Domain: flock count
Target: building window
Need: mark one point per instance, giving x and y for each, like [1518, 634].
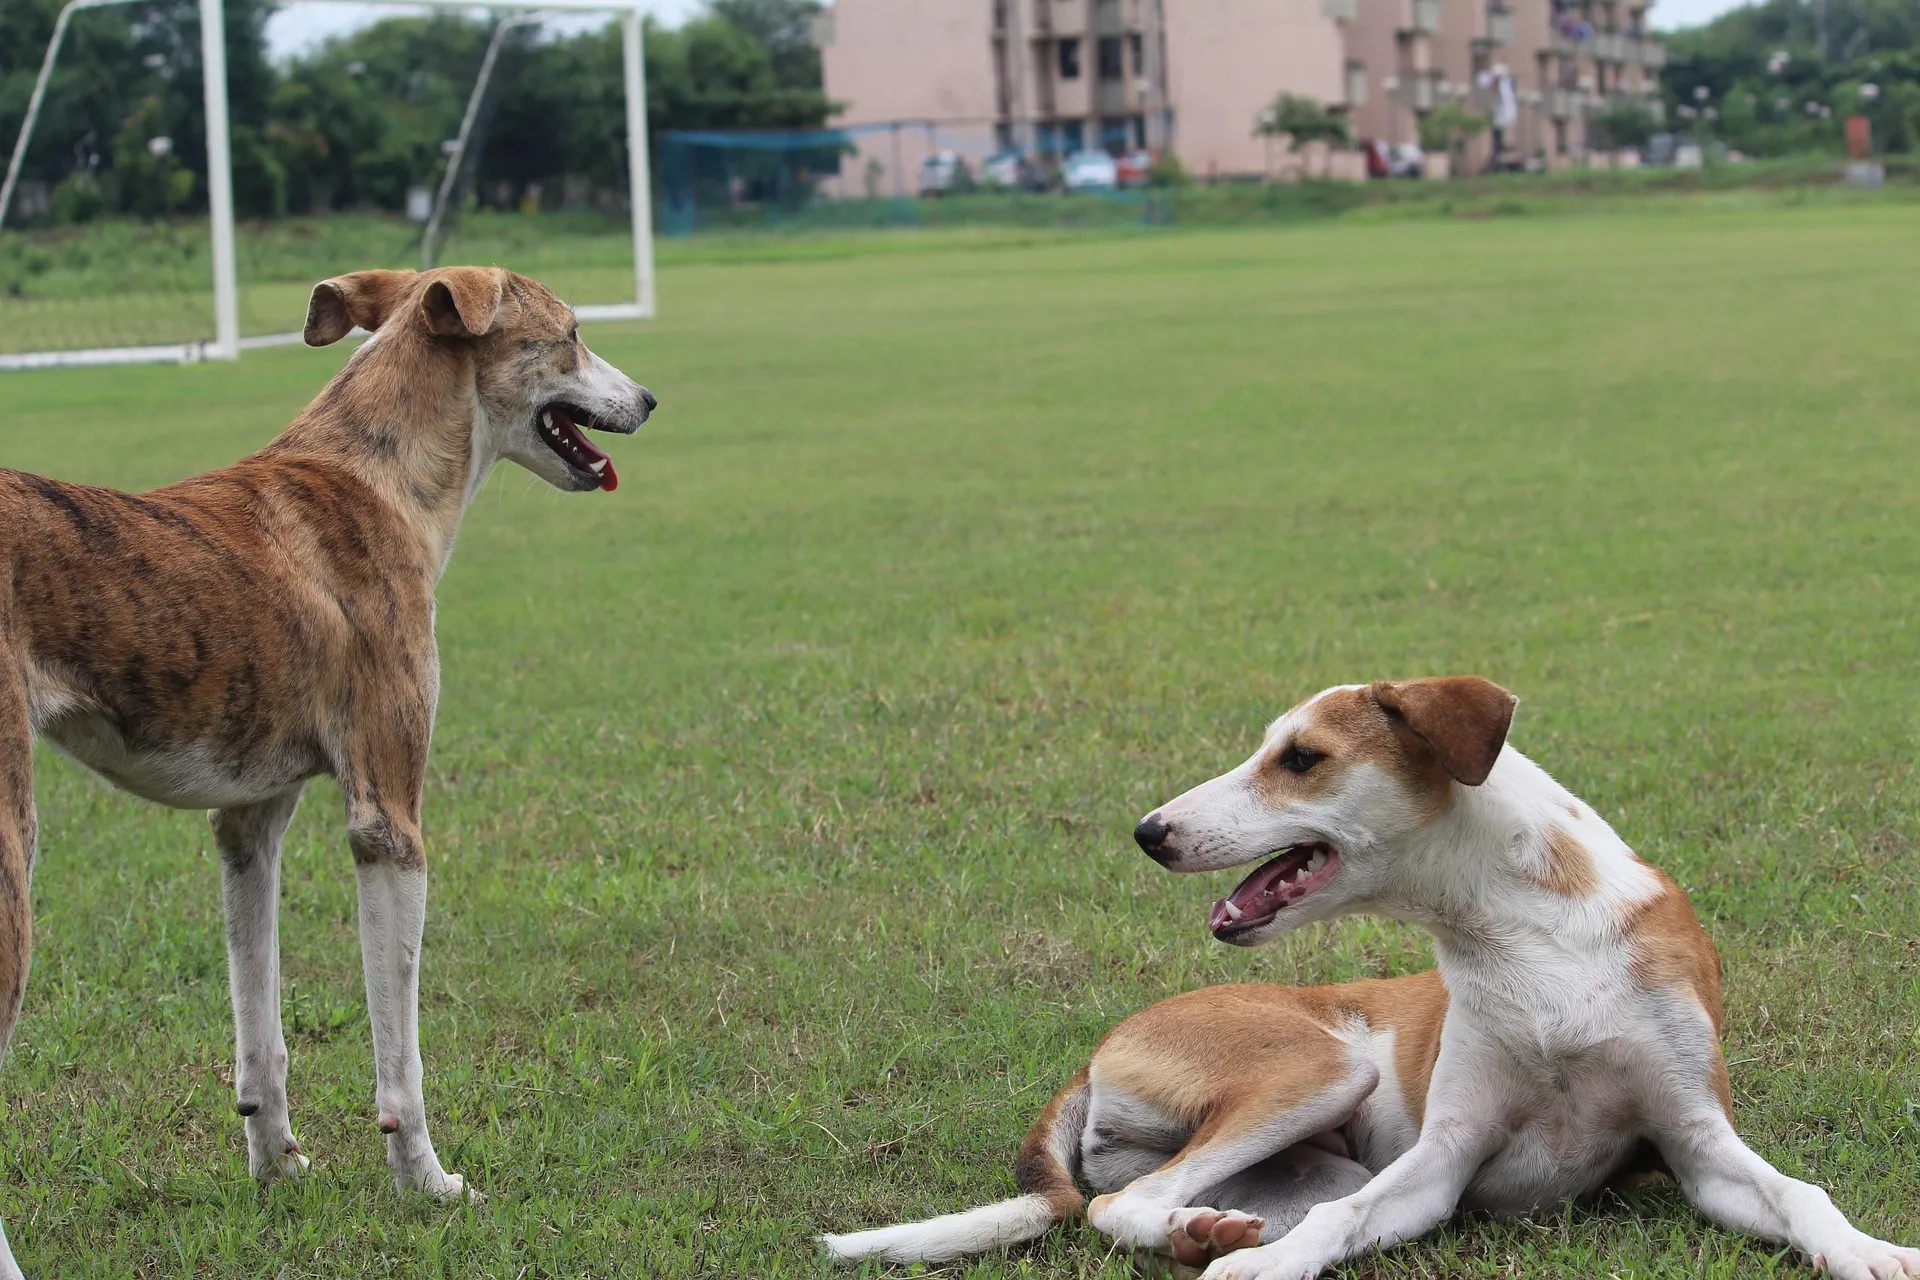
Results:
[1138, 127]
[1137, 52]
[1356, 84]
[1111, 66]
[1070, 58]
[1073, 136]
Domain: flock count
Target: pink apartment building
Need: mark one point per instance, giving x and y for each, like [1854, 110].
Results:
[1190, 76]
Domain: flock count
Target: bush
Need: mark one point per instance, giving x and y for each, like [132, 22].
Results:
[81, 198]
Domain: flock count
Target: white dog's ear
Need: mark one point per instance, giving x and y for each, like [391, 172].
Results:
[364, 298]
[1464, 719]
[463, 302]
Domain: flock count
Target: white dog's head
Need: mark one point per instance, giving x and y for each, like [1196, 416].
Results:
[1335, 792]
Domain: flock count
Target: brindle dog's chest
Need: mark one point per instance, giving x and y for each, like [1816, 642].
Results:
[185, 777]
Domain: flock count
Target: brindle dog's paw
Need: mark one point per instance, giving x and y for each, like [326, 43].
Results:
[271, 1166]
[1198, 1236]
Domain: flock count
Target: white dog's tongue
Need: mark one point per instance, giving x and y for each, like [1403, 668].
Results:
[1272, 886]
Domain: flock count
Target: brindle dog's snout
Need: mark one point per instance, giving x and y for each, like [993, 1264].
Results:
[1151, 835]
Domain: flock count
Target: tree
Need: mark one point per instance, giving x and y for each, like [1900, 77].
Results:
[1302, 121]
[1448, 127]
[1623, 124]
[784, 28]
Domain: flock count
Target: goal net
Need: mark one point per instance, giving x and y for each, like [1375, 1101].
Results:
[166, 202]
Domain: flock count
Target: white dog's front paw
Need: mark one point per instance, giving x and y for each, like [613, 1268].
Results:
[1271, 1262]
[1864, 1258]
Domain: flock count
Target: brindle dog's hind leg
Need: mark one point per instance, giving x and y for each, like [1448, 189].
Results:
[16, 866]
[249, 840]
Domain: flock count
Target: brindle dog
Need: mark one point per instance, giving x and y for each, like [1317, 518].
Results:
[215, 643]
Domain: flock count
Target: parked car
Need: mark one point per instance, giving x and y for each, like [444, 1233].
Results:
[944, 173]
[1134, 168]
[1012, 171]
[1089, 171]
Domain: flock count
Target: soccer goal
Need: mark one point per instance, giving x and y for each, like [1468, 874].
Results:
[180, 289]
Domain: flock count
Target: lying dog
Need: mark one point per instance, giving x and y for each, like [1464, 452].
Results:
[1569, 1036]
[215, 643]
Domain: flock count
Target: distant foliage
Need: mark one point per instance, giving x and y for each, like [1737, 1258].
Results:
[362, 119]
[1448, 127]
[1773, 86]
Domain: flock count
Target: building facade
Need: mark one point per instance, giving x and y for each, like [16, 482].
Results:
[1050, 77]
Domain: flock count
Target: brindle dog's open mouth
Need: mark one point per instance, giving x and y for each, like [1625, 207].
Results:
[1298, 871]
[564, 426]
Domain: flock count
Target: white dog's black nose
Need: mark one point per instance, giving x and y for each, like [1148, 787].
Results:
[647, 399]
[1151, 835]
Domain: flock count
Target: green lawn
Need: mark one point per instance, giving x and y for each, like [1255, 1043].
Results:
[779, 814]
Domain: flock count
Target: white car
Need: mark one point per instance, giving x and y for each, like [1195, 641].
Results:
[1090, 171]
[942, 173]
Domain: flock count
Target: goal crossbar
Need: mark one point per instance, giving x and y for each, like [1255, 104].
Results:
[227, 344]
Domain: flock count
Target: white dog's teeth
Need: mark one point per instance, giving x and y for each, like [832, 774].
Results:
[1317, 861]
[597, 467]
[547, 417]
[1233, 912]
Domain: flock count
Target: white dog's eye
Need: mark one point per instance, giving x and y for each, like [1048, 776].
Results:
[1298, 759]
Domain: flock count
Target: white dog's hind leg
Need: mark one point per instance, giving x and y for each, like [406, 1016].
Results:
[1729, 1183]
[1142, 1215]
[249, 841]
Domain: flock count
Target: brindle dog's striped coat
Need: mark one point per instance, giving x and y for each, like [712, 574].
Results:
[215, 643]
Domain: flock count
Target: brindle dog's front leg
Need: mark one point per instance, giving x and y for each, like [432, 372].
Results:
[249, 840]
[383, 828]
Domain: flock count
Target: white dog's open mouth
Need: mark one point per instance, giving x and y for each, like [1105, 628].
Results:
[561, 426]
[1299, 871]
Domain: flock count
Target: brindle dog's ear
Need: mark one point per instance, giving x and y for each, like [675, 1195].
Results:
[463, 302]
[1463, 719]
[364, 298]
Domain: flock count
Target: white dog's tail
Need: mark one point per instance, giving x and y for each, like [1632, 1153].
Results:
[1044, 1172]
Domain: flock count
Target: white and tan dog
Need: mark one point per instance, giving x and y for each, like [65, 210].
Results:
[1570, 1035]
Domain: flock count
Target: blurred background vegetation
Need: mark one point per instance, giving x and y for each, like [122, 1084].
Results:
[356, 122]
[361, 119]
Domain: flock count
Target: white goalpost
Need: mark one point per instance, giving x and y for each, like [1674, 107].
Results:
[226, 341]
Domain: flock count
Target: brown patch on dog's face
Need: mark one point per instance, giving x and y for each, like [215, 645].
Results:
[1569, 869]
[1335, 733]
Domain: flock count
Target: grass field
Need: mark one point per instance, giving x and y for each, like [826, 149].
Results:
[779, 811]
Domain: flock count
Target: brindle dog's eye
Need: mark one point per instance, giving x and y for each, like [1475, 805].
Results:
[1297, 759]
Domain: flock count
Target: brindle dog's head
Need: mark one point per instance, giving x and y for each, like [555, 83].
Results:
[538, 389]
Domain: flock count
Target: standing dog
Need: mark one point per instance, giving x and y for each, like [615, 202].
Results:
[1570, 1035]
[215, 643]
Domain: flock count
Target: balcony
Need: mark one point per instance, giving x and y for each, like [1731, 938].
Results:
[1563, 104]
[1112, 98]
[1566, 46]
[1499, 24]
[1340, 10]
[1652, 54]
[1425, 16]
[1418, 90]
[1608, 46]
